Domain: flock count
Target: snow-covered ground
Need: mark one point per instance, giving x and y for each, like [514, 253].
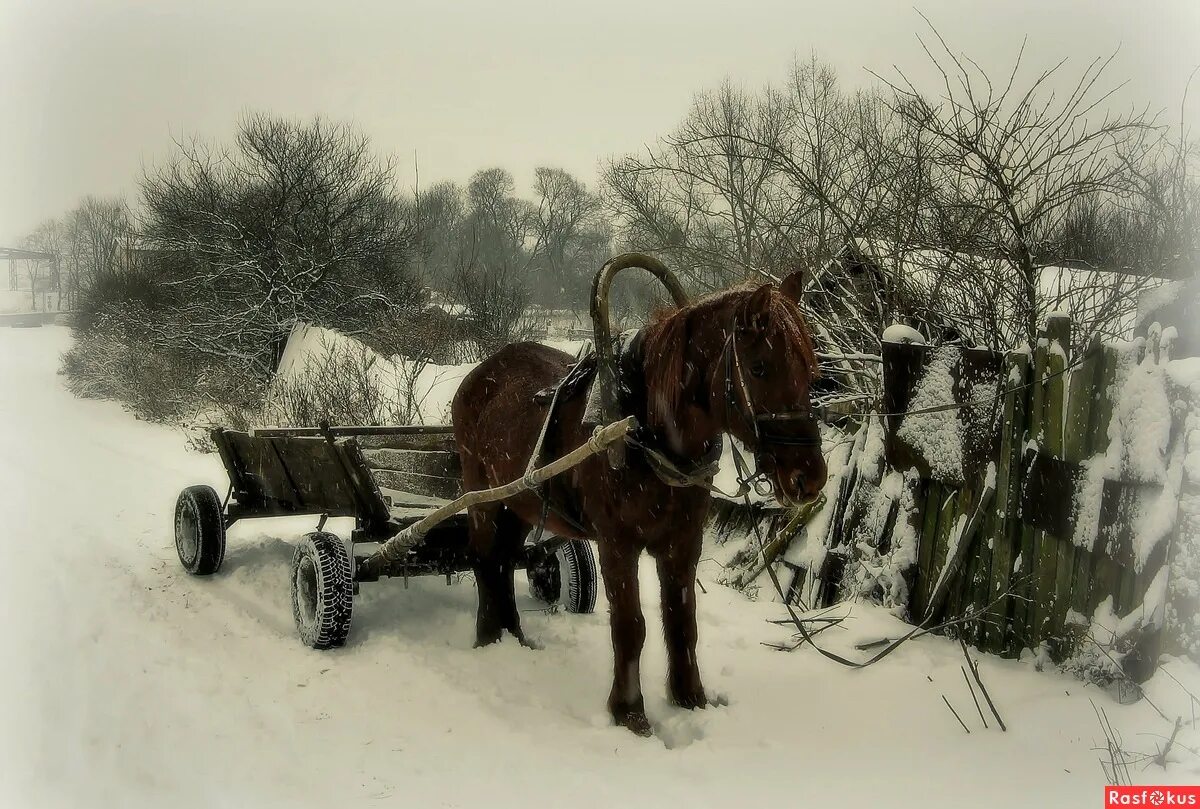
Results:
[126, 683]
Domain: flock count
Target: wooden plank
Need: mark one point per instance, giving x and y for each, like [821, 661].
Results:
[425, 462]
[1105, 575]
[967, 514]
[925, 547]
[1045, 546]
[979, 594]
[1025, 615]
[374, 511]
[1082, 441]
[958, 566]
[1058, 330]
[974, 559]
[416, 483]
[1004, 520]
[430, 442]
[264, 472]
[316, 472]
[947, 517]
[351, 431]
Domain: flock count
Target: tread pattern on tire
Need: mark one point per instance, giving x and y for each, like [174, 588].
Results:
[580, 564]
[204, 504]
[334, 591]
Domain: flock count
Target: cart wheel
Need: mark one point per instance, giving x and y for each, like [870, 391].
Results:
[199, 530]
[322, 591]
[572, 562]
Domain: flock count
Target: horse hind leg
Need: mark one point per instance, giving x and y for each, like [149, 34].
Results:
[496, 537]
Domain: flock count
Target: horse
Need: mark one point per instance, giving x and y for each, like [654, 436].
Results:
[738, 362]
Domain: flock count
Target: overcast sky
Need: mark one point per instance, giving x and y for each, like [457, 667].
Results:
[92, 91]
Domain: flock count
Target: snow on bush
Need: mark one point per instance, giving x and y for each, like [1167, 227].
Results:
[324, 375]
[937, 436]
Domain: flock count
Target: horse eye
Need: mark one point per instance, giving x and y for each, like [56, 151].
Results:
[758, 370]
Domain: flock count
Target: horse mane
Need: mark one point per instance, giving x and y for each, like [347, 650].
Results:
[667, 338]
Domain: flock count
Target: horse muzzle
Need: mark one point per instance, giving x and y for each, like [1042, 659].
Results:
[797, 486]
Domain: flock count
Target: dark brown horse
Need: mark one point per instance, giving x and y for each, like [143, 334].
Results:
[717, 366]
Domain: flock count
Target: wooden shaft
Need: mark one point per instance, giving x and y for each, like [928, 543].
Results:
[407, 429]
[401, 543]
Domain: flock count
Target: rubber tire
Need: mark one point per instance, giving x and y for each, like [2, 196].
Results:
[200, 530]
[573, 562]
[322, 591]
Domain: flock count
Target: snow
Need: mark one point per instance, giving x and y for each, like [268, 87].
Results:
[434, 385]
[938, 435]
[129, 684]
[900, 333]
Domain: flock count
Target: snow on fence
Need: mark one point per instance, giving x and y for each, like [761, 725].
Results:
[1048, 492]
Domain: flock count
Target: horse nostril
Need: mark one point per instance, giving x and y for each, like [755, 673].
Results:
[807, 486]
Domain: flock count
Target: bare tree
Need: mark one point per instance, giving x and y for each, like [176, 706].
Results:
[1013, 163]
[495, 304]
[570, 237]
[95, 241]
[439, 214]
[45, 238]
[300, 222]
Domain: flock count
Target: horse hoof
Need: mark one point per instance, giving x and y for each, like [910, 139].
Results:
[636, 723]
[486, 640]
[692, 701]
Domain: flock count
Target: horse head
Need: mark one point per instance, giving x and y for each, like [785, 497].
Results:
[742, 362]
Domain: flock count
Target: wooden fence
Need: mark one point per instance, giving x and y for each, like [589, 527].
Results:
[1031, 521]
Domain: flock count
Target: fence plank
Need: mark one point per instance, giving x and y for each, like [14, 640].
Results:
[947, 500]
[959, 564]
[1058, 330]
[1080, 442]
[925, 572]
[1025, 619]
[979, 587]
[1105, 571]
[1004, 515]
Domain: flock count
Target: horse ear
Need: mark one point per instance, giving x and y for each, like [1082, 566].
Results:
[758, 309]
[793, 285]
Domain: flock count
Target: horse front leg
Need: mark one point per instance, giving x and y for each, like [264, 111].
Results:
[677, 583]
[619, 566]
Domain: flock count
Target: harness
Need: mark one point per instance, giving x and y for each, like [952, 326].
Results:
[791, 428]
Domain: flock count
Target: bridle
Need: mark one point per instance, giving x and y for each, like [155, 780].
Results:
[763, 426]
[778, 429]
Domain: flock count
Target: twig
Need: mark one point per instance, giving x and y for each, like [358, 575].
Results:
[979, 681]
[1118, 768]
[974, 698]
[956, 716]
[1161, 758]
[781, 647]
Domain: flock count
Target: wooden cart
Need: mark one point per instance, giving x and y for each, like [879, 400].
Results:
[388, 479]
